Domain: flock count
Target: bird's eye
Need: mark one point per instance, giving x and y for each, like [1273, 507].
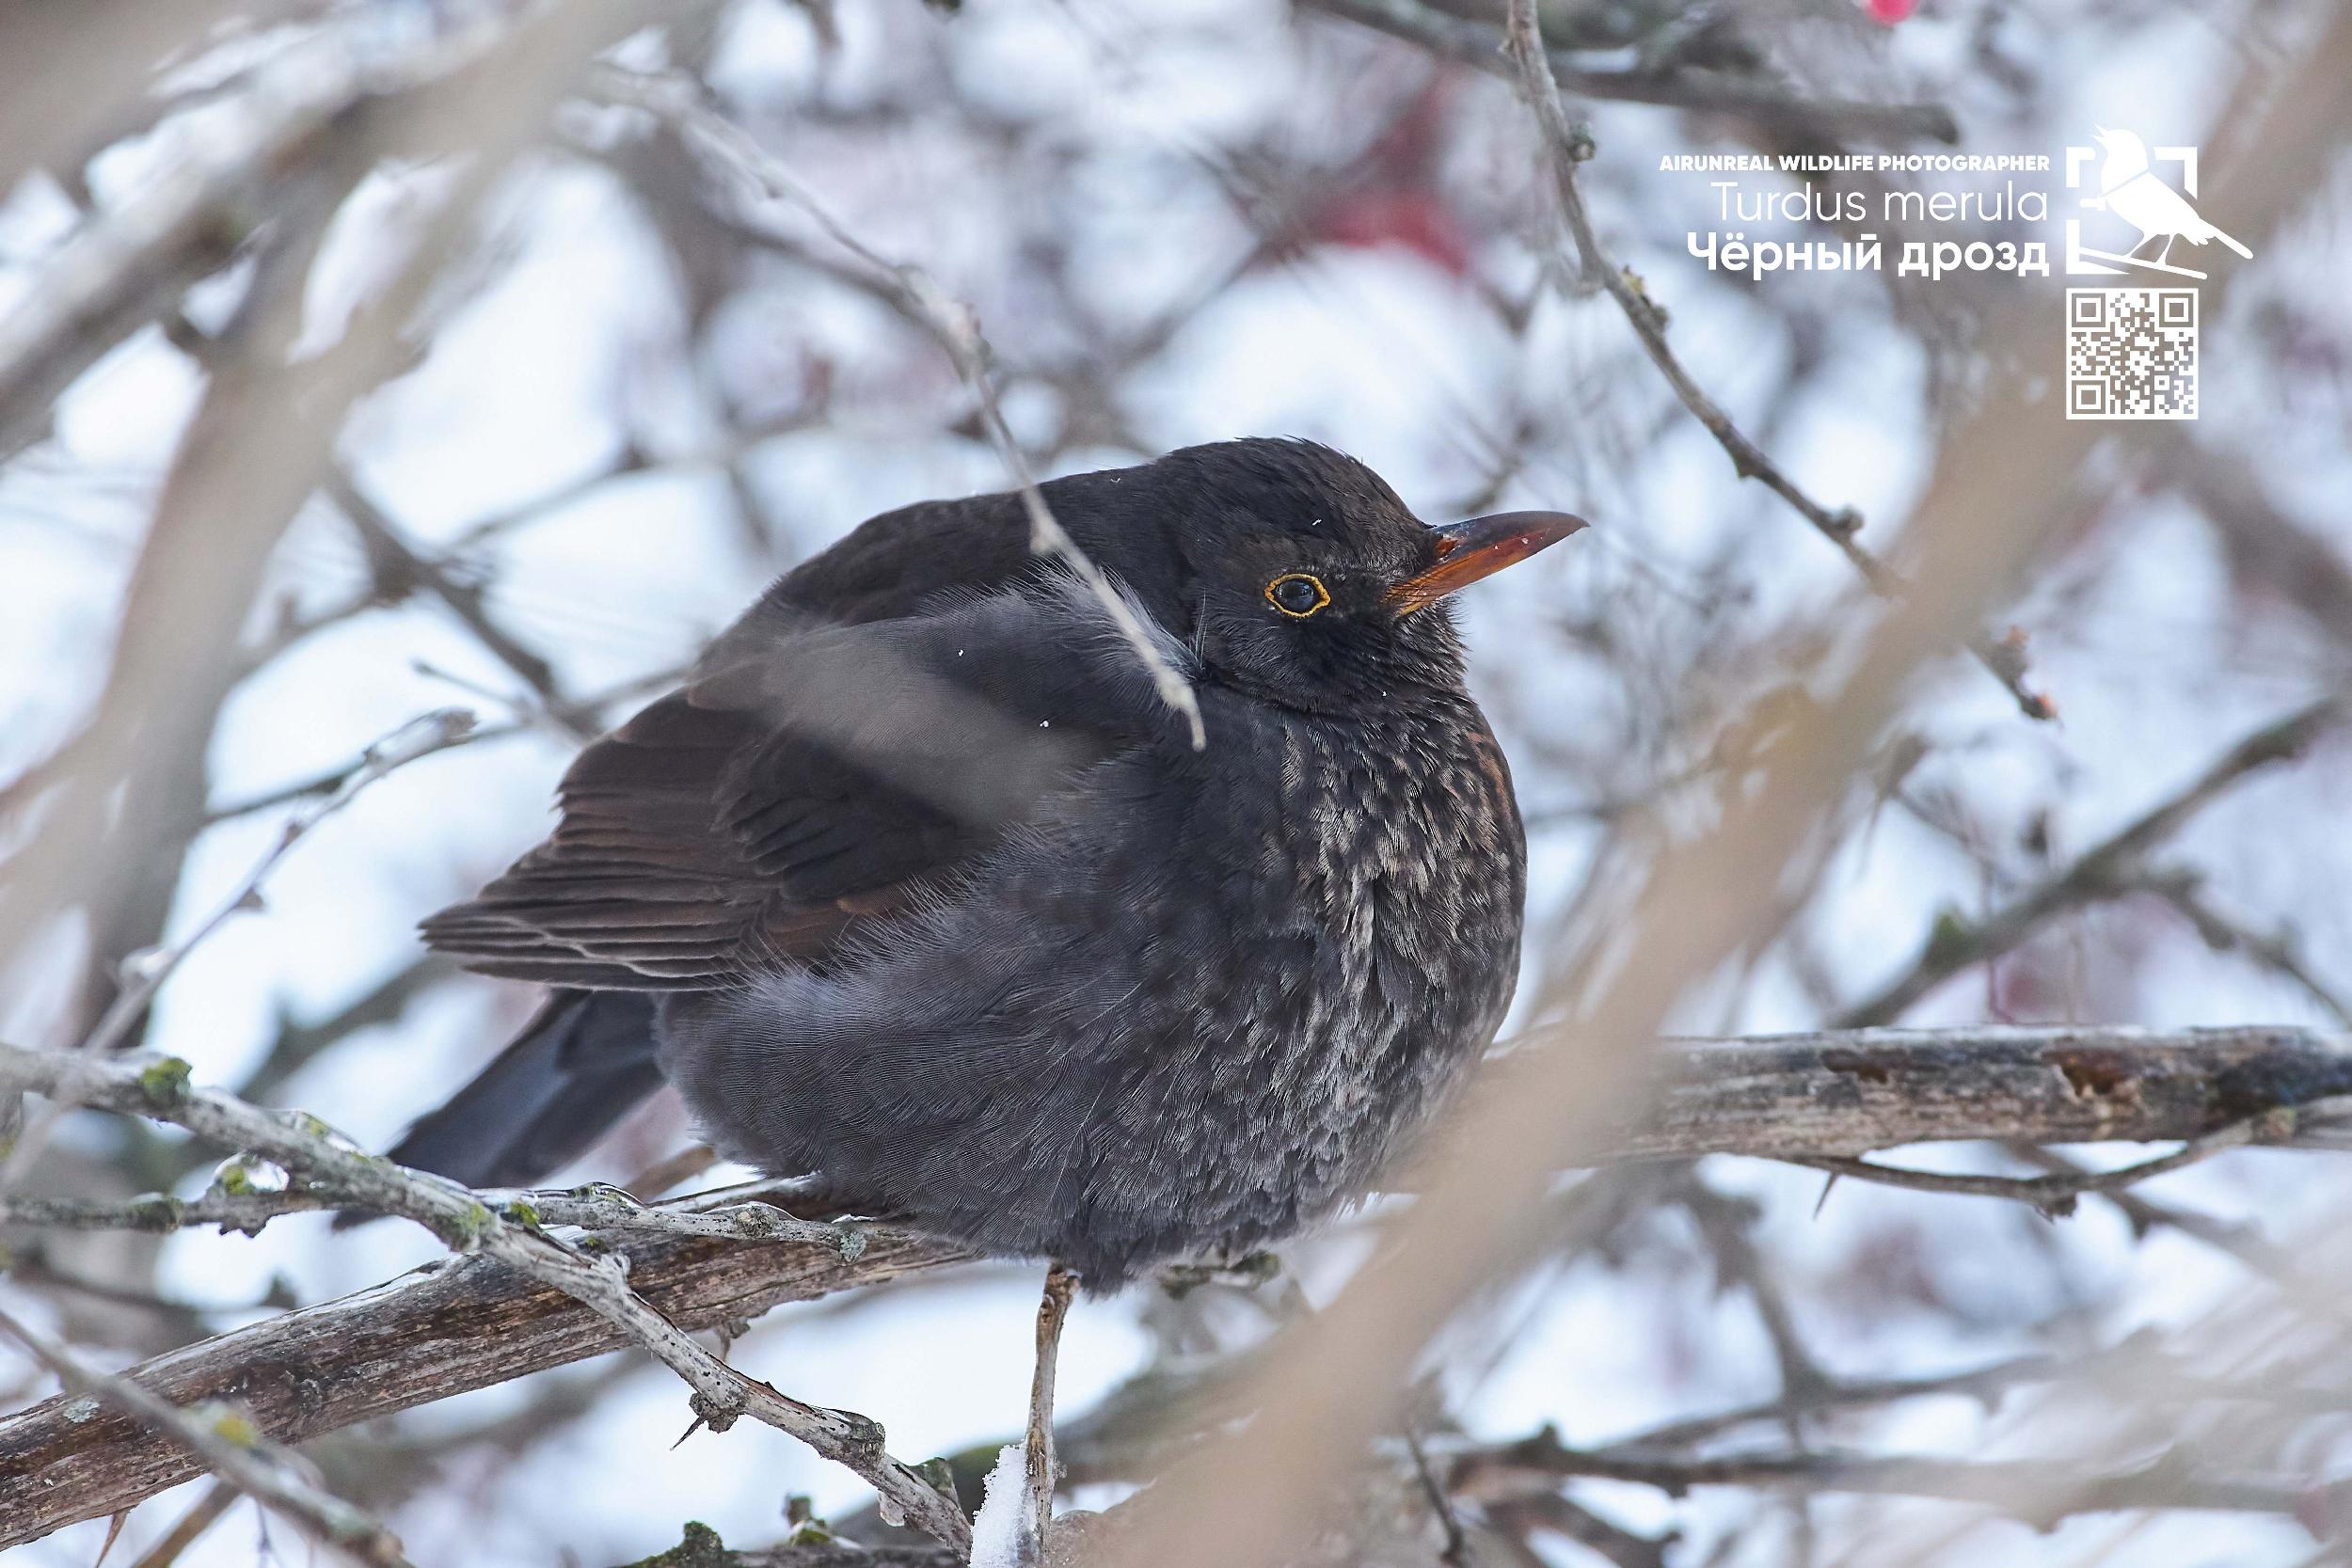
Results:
[1297, 594]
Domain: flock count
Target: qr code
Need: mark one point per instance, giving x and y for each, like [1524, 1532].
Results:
[2130, 354]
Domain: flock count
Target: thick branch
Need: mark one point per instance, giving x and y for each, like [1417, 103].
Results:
[471, 1322]
[159, 1088]
[453, 1325]
[123, 267]
[2041, 1490]
[702, 1549]
[1793, 1096]
[222, 1441]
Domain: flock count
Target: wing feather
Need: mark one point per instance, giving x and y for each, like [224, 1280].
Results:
[805, 782]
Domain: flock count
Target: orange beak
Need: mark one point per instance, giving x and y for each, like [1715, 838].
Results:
[1481, 547]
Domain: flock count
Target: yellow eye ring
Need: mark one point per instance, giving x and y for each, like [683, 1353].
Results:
[1283, 594]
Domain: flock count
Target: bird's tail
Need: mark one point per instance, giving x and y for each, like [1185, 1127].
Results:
[2230, 243]
[584, 1061]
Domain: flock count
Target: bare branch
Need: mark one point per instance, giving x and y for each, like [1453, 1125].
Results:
[2261, 539]
[395, 559]
[1987, 1384]
[61, 64]
[2042, 1490]
[253, 451]
[571, 717]
[224, 1442]
[1475, 43]
[472, 1321]
[959, 332]
[2055, 1195]
[455, 1326]
[1041, 1473]
[310, 1151]
[190, 1525]
[419, 738]
[683, 104]
[597, 1209]
[703, 1548]
[1843, 1092]
[1567, 147]
[2279, 952]
[127, 265]
[144, 973]
[2102, 872]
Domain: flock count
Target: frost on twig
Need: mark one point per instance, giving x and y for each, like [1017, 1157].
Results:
[312, 1152]
[225, 1441]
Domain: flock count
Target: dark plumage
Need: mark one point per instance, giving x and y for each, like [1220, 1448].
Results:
[917, 883]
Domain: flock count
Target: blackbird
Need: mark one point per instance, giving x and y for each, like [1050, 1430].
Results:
[919, 885]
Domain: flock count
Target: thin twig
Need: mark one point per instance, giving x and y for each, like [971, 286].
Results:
[1727, 1223]
[959, 332]
[1041, 1474]
[297, 1044]
[2243, 1240]
[394, 561]
[2102, 872]
[191, 1526]
[683, 104]
[1477, 43]
[571, 717]
[1985, 1384]
[311, 1152]
[2279, 952]
[2056, 1194]
[147, 971]
[1455, 1552]
[1567, 148]
[144, 973]
[238, 1206]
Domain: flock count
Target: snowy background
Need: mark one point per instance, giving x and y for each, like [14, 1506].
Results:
[1180, 222]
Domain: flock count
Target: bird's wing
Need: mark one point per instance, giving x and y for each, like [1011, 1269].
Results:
[808, 779]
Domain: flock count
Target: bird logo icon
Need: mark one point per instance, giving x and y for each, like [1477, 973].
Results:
[2128, 186]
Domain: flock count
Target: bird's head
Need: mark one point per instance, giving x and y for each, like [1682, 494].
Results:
[1300, 578]
[2123, 144]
